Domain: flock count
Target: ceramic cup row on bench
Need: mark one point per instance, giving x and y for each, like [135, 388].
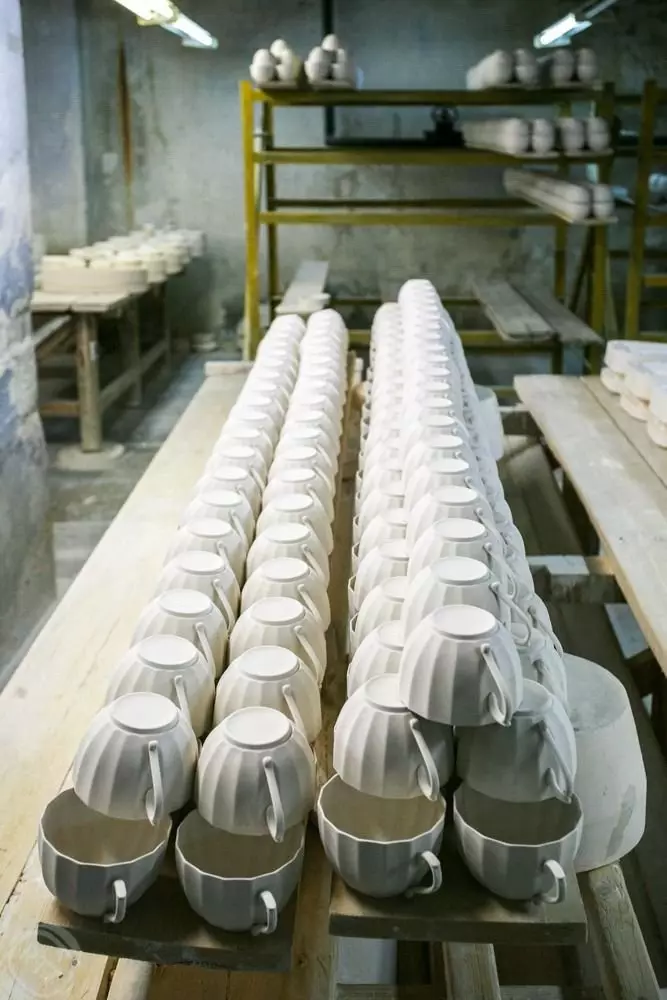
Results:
[637, 372]
[239, 854]
[433, 646]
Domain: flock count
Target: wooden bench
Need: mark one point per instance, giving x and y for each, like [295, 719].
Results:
[305, 294]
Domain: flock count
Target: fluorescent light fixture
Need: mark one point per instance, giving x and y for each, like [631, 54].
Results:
[151, 11]
[560, 32]
[194, 36]
[167, 15]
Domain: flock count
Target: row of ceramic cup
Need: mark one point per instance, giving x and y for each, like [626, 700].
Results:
[138, 761]
[435, 647]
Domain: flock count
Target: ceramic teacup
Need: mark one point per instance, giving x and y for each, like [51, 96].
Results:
[247, 437]
[454, 580]
[461, 667]
[440, 472]
[389, 525]
[459, 536]
[378, 846]
[232, 477]
[94, 865]
[170, 666]
[448, 501]
[286, 577]
[519, 850]
[241, 456]
[211, 535]
[303, 457]
[270, 386]
[382, 749]
[379, 654]
[301, 480]
[301, 436]
[251, 396]
[275, 678]
[316, 418]
[377, 476]
[190, 614]
[532, 759]
[256, 774]
[281, 621]
[207, 572]
[382, 563]
[137, 759]
[541, 662]
[289, 540]
[225, 505]
[379, 500]
[441, 446]
[253, 416]
[298, 508]
[303, 398]
[237, 883]
[383, 604]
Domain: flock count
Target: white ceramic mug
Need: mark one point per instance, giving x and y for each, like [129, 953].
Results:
[246, 437]
[386, 561]
[461, 667]
[275, 678]
[519, 850]
[436, 474]
[377, 476]
[232, 477]
[285, 577]
[190, 614]
[532, 759]
[281, 621]
[252, 416]
[306, 481]
[542, 663]
[388, 498]
[454, 580]
[382, 749]
[316, 418]
[291, 540]
[207, 572]
[378, 846]
[387, 526]
[458, 536]
[303, 398]
[170, 666]
[448, 501]
[298, 508]
[383, 604]
[256, 774]
[250, 396]
[225, 505]
[379, 654]
[237, 883]
[137, 759]
[304, 457]
[211, 535]
[94, 865]
[301, 436]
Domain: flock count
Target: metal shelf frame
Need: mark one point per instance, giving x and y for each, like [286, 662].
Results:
[264, 209]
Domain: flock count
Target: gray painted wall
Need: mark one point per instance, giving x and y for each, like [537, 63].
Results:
[25, 567]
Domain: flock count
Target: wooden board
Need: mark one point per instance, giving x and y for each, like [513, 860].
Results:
[624, 499]
[570, 329]
[88, 302]
[462, 911]
[308, 283]
[512, 316]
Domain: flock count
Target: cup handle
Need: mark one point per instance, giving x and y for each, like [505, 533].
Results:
[312, 561]
[355, 557]
[290, 700]
[155, 805]
[310, 652]
[479, 514]
[120, 903]
[271, 914]
[255, 476]
[352, 639]
[501, 569]
[436, 876]
[351, 586]
[498, 702]
[512, 608]
[239, 529]
[205, 645]
[557, 895]
[275, 815]
[566, 792]
[226, 604]
[307, 600]
[427, 777]
[545, 630]
[505, 605]
[181, 697]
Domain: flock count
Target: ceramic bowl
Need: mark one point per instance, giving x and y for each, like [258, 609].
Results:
[137, 759]
[281, 621]
[223, 505]
[207, 572]
[294, 578]
[94, 865]
[191, 615]
[256, 774]
[211, 535]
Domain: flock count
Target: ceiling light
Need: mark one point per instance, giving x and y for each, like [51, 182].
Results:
[194, 36]
[151, 11]
[167, 15]
[561, 31]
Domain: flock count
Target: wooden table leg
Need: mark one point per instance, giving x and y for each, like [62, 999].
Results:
[88, 380]
[130, 347]
[470, 972]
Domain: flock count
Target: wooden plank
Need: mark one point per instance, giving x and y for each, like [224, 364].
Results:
[569, 328]
[624, 499]
[89, 302]
[634, 430]
[305, 294]
[470, 972]
[512, 316]
[48, 329]
[75, 652]
[463, 912]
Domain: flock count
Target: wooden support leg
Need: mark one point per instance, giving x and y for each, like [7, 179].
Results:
[130, 344]
[620, 950]
[164, 327]
[590, 544]
[470, 972]
[88, 380]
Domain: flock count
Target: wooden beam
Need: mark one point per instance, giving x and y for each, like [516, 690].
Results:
[470, 972]
[512, 316]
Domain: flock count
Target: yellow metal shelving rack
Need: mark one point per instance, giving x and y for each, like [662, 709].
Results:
[263, 207]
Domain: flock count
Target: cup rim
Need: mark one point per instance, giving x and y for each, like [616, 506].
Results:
[233, 878]
[367, 840]
[458, 815]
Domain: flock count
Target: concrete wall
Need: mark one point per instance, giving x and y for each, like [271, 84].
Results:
[25, 567]
[55, 122]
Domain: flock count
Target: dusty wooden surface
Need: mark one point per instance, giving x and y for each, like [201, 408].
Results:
[512, 316]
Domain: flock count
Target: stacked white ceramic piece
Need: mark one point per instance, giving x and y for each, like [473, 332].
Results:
[561, 67]
[577, 202]
[538, 136]
[239, 854]
[636, 371]
[330, 64]
[446, 631]
[279, 64]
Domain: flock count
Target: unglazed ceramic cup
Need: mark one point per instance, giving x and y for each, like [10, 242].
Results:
[378, 846]
[94, 865]
[383, 604]
[207, 572]
[303, 436]
[448, 501]
[382, 563]
[454, 580]
[377, 476]
[542, 663]
[461, 667]
[281, 621]
[302, 480]
[298, 508]
[252, 416]
[137, 759]
[211, 535]
[316, 418]
[291, 540]
[191, 615]
[459, 536]
[256, 774]
[532, 759]
[247, 448]
[250, 396]
[388, 526]
[382, 749]
[237, 883]
[436, 474]
[235, 478]
[379, 500]
[519, 850]
[275, 678]
[170, 666]
[225, 505]
[303, 399]
[304, 457]
[441, 446]
[284, 577]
